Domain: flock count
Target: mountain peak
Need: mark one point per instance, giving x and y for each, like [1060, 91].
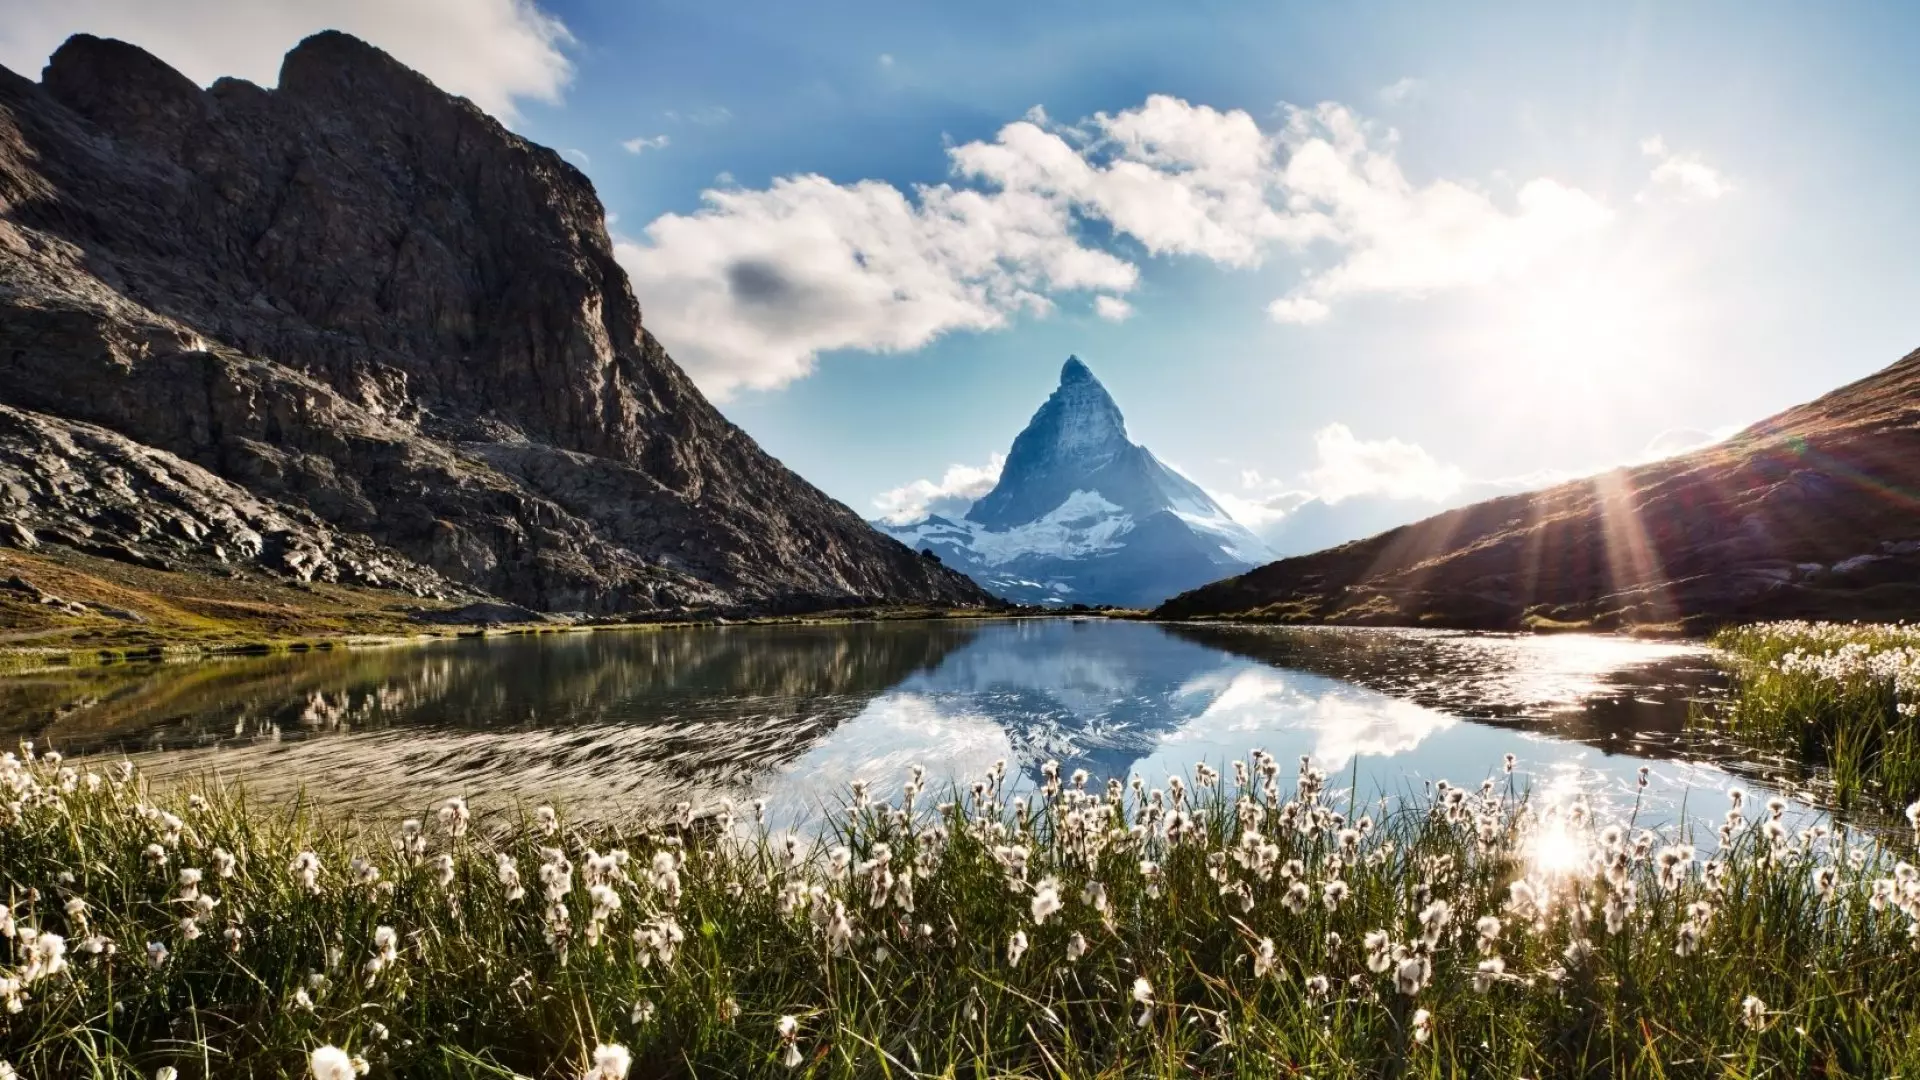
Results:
[1075, 371]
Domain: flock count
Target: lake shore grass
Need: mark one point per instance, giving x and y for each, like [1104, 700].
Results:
[1842, 697]
[1256, 924]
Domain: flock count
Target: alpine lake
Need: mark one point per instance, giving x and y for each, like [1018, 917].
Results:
[617, 723]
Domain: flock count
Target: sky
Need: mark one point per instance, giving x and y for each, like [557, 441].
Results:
[1383, 256]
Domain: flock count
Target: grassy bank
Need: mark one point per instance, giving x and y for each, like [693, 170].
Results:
[1255, 925]
[1845, 696]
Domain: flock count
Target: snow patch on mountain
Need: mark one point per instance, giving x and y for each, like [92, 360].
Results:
[1082, 514]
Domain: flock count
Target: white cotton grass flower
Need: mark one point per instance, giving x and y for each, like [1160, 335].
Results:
[788, 1028]
[332, 1063]
[611, 1061]
[1016, 948]
[1422, 1026]
[1753, 1013]
[166, 1072]
[1046, 900]
[305, 869]
[1143, 996]
[454, 816]
[1263, 958]
[1076, 946]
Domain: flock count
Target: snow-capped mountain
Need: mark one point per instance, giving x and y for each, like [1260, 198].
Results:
[1084, 515]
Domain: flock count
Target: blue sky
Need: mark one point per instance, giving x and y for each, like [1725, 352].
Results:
[1508, 243]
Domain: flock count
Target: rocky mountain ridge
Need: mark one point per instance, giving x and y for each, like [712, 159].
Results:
[1082, 514]
[351, 329]
[1814, 512]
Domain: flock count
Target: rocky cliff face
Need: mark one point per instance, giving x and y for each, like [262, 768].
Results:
[1082, 514]
[378, 329]
[1814, 512]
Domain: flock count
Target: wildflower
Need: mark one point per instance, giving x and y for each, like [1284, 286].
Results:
[1076, 946]
[643, 1011]
[1317, 986]
[386, 949]
[1486, 972]
[46, 957]
[454, 816]
[1411, 974]
[166, 1072]
[1378, 947]
[224, 863]
[156, 954]
[1143, 995]
[1509, 761]
[1046, 900]
[305, 869]
[1422, 1026]
[1825, 878]
[156, 856]
[508, 871]
[1263, 960]
[611, 1061]
[1332, 893]
[1297, 898]
[1489, 929]
[1016, 947]
[443, 869]
[788, 1028]
[728, 1010]
[332, 1063]
[1753, 1013]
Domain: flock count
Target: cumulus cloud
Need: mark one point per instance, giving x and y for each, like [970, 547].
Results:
[749, 290]
[641, 144]
[1112, 308]
[496, 52]
[949, 496]
[1346, 465]
[1683, 176]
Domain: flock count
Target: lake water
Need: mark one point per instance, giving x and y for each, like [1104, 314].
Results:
[633, 720]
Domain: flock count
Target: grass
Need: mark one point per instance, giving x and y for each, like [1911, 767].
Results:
[894, 943]
[1843, 696]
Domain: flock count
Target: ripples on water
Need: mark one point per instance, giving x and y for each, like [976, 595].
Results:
[618, 721]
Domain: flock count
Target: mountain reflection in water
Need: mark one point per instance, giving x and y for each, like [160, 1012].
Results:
[633, 720]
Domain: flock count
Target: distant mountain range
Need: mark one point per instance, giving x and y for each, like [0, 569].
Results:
[1811, 513]
[1082, 514]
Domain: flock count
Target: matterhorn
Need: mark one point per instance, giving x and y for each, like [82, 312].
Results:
[1084, 515]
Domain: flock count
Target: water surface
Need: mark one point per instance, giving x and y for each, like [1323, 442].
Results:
[620, 721]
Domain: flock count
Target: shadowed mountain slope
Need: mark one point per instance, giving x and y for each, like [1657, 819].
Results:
[351, 329]
[1814, 512]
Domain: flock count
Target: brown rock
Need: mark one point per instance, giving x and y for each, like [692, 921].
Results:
[388, 321]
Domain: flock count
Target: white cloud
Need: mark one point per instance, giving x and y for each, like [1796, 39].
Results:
[496, 52]
[1682, 176]
[951, 495]
[1297, 309]
[1346, 466]
[1112, 308]
[886, 60]
[641, 143]
[748, 291]
[1402, 90]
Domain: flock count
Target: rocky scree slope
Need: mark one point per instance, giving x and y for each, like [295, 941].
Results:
[1082, 514]
[351, 329]
[1812, 513]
